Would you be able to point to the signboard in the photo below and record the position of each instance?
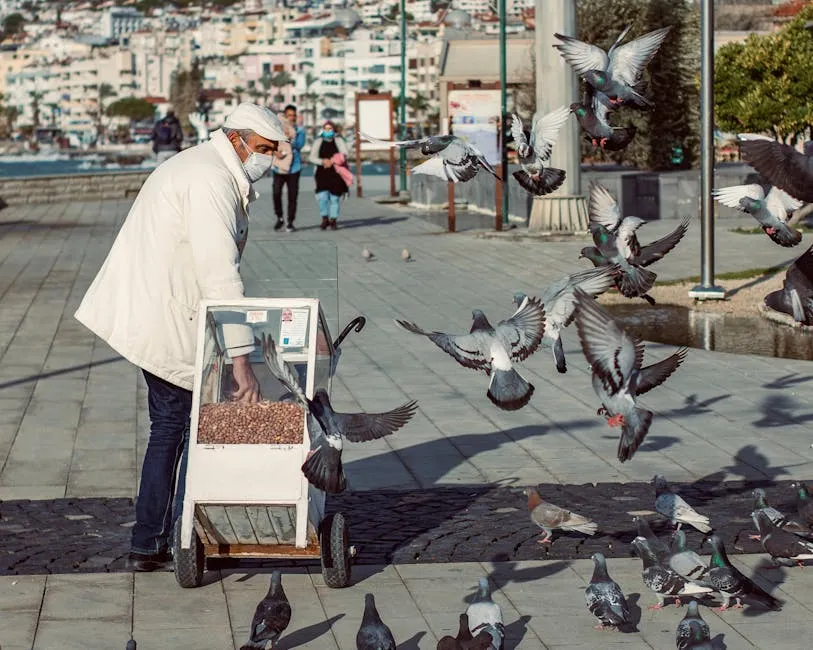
(374, 118)
(474, 115)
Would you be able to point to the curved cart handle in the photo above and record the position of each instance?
(358, 322)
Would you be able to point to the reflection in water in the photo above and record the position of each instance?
(675, 325)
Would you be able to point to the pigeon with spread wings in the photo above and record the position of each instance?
(534, 155)
(780, 164)
(771, 210)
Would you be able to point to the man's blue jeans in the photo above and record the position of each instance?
(170, 408)
(328, 204)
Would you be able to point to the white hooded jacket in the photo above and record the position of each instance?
(181, 242)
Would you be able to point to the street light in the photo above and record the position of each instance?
(402, 100)
(503, 112)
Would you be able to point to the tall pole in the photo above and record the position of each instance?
(706, 289)
(402, 107)
(503, 111)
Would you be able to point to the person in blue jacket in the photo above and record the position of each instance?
(286, 170)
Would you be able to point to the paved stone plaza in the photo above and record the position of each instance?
(73, 424)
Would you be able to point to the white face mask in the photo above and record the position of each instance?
(257, 164)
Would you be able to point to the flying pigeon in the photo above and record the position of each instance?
(493, 350)
(777, 518)
(673, 507)
(614, 75)
(593, 117)
(272, 616)
(367, 254)
(560, 303)
(693, 632)
(406, 256)
(730, 583)
(464, 640)
(795, 298)
(804, 504)
(772, 211)
(616, 357)
(373, 633)
(536, 175)
(323, 467)
(604, 598)
(452, 159)
(549, 516)
(780, 164)
(656, 545)
(779, 544)
(486, 616)
(685, 561)
(661, 579)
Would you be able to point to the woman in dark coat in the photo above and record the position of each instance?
(329, 150)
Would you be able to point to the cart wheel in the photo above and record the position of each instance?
(189, 562)
(335, 551)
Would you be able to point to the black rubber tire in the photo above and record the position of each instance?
(335, 550)
(189, 562)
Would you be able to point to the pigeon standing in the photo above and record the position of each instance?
(367, 254)
(795, 298)
(373, 633)
(779, 544)
(464, 640)
(406, 255)
(604, 598)
(730, 583)
(771, 210)
(673, 507)
(486, 616)
(780, 164)
(693, 632)
(661, 579)
(559, 302)
(323, 467)
(271, 618)
(804, 504)
(777, 518)
(685, 561)
(656, 545)
(452, 159)
(616, 358)
(549, 516)
(493, 350)
(536, 176)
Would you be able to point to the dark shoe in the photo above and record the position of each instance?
(333, 225)
(278, 225)
(325, 223)
(290, 227)
(144, 562)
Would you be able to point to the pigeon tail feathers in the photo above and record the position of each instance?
(636, 281)
(559, 356)
(633, 433)
(508, 390)
(549, 180)
(324, 470)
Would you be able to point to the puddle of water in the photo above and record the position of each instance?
(676, 325)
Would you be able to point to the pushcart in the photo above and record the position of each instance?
(248, 499)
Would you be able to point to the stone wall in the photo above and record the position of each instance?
(71, 187)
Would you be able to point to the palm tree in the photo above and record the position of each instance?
(238, 93)
(36, 96)
(54, 108)
(281, 80)
(418, 103)
(374, 85)
(105, 91)
(255, 93)
(310, 98)
(11, 114)
(266, 82)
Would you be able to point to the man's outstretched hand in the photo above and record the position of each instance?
(248, 388)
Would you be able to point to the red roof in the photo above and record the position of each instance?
(215, 93)
(156, 100)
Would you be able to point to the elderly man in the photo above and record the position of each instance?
(181, 242)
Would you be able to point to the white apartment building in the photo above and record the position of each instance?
(120, 21)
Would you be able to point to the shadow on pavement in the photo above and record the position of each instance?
(56, 373)
(306, 635)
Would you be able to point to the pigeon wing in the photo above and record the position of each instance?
(435, 166)
(465, 348)
(603, 208)
(363, 427)
(781, 204)
(580, 55)
(731, 195)
(517, 133)
(523, 332)
(781, 165)
(560, 306)
(281, 370)
(657, 373)
(626, 240)
(406, 144)
(659, 248)
(800, 274)
(546, 130)
(627, 62)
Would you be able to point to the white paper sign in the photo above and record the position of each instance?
(293, 328)
(256, 316)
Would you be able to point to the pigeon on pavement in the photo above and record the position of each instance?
(656, 545)
(464, 640)
(804, 504)
(779, 544)
(373, 633)
(272, 616)
(604, 598)
(693, 632)
(452, 159)
(672, 506)
(367, 254)
(549, 516)
(559, 302)
(406, 255)
(661, 579)
(795, 298)
(536, 176)
(777, 518)
(493, 349)
(730, 583)
(616, 357)
(323, 467)
(486, 616)
(772, 211)
(685, 561)
(780, 164)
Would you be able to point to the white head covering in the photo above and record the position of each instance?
(258, 119)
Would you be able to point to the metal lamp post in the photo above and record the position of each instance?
(503, 111)
(402, 102)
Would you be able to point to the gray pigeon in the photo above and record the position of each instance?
(730, 582)
(804, 504)
(685, 561)
(783, 547)
(464, 639)
(493, 350)
(373, 633)
(673, 507)
(559, 302)
(593, 117)
(795, 298)
(452, 159)
(658, 546)
(604, 598)
(693, 632)
(536, 176)
(323, 467)
(616, 357)
(131, 645)
(780, 164)
(549, 516)
(486, 616)
(777, 518)
(271, 618)
(771, 211)
(661, 579)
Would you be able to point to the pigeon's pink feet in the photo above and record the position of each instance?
(602, 142)
(546, 539)
(721, 608)
(655, 607)
(801, 563)
(602, 627)
(678, 603)
(770, 231)
(739, 605)
(310, 453)
(616, 421)
(754, 537)
(595, 142)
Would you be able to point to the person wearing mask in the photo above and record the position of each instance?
(329, 156)
(180, 243)
(167, 137)
(286, 169)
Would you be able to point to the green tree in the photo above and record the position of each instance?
(134, 109)
(419, 104)
(13, 24)
(105, 91)
(374, 85)
(184, 92)
(36, 97)
(11, 113)
(310, 98)
(239, 91)
(266, 81)
(280, 81)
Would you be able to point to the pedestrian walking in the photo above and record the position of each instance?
(287, 168)
(167, 137)
(180, 243)
(332, 175)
